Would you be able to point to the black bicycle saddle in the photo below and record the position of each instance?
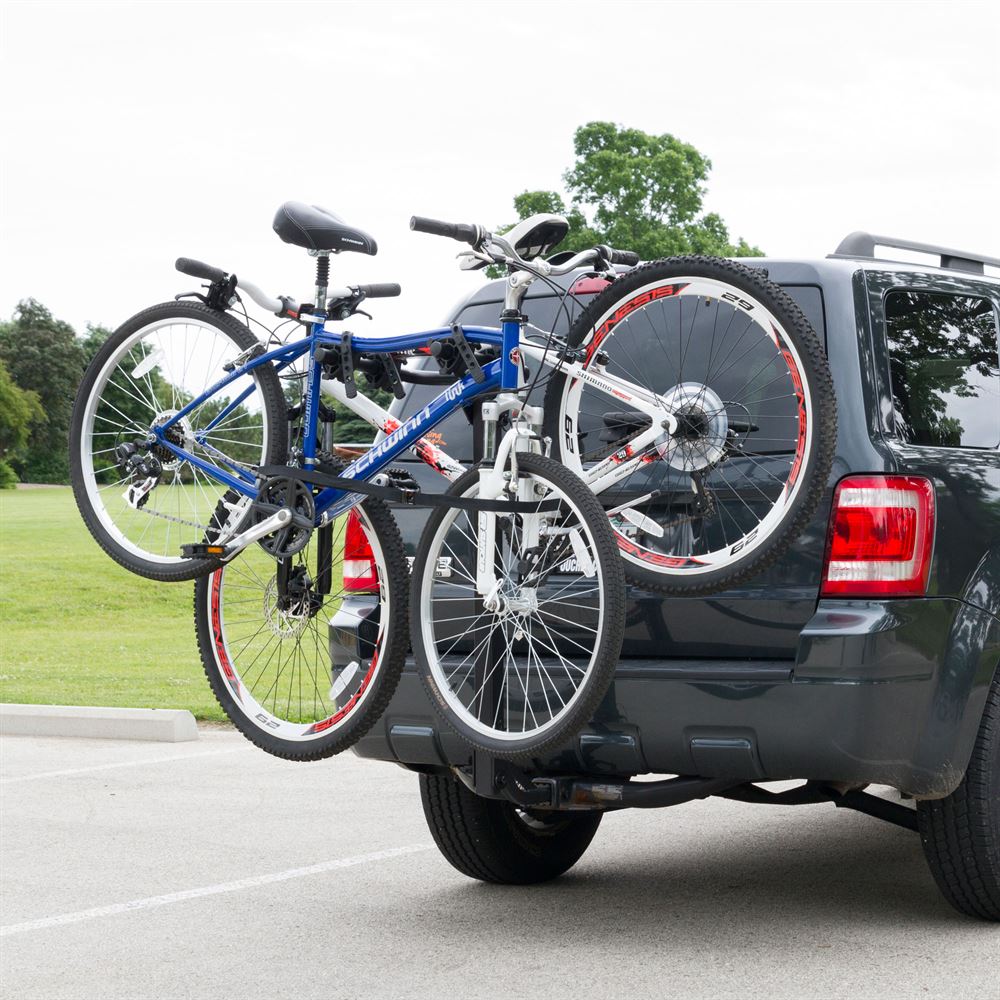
(315, 228)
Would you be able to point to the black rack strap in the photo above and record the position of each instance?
(412, 498)
(347, 365)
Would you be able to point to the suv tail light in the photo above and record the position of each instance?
(360, 571)
(881, 537)
(589, 285)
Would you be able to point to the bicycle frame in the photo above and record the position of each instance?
(500, 374)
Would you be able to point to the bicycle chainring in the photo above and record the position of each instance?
(278, 493)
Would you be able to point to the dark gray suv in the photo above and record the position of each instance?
(784, 677)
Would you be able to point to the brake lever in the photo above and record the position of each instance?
(468, 256)
(346, 308)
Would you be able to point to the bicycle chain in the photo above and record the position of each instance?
(169, 517)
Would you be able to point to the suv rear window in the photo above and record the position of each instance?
(547, 313)
(455, 433)
(945, 369)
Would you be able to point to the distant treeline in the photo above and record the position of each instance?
(42, 361)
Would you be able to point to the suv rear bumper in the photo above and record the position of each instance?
(881, 692)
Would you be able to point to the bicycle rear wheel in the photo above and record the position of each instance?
(146, 372)
(737, 363)
(526, 676)
(303, 655)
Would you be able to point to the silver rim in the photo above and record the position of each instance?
(150, 377)
(752, 487)
(515, 674)
(294, 673)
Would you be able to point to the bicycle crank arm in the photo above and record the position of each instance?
(236, 544)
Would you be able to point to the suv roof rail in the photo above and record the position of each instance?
(861, 244)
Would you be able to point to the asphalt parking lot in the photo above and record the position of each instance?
(208, 869)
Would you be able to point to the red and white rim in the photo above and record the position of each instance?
(263, 717)
(769, 327)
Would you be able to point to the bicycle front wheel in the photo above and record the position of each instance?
(142, 501)
(304, 654)
(735, 361)
(520, 671)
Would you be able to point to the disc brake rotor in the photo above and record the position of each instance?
(703, 428)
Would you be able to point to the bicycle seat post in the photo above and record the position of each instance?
(322, 278)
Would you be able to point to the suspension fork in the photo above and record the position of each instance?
(494, 479)
(489, 678)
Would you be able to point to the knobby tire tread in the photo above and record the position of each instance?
(820, 385)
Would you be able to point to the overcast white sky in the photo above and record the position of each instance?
(134, 133)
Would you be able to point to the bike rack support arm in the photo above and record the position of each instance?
(814, 792)
(578, 793)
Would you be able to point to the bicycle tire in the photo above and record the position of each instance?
(122, 534)
(230, 658)
(521, 628)
(626, 328)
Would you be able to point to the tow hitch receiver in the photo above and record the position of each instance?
(576, 793)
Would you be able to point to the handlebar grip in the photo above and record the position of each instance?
(627, 257)
(453, 230)
(196, 269)
(385, 290)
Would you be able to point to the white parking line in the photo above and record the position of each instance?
(209, 890)
(123, 763)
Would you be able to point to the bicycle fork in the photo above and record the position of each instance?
(496, 479)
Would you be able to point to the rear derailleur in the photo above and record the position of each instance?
(143, 470)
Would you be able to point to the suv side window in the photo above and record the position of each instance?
(944, 368)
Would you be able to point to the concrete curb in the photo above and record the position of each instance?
(165, 725)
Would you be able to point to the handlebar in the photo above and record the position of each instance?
(385, 290)
(488, 247)
(453, 230)
(196, 269)
(627, 257)
(283, 306)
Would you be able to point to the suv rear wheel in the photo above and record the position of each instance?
(494, 841)
(961, 833)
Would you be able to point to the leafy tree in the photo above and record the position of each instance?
(20, 410)
(636, 191)
(93, 340)
(43, 356)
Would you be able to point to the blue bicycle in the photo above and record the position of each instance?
(202, 452)
(192, 441)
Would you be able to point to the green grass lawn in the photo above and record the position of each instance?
(77, 629)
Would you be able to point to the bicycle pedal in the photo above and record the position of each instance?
(202, 550)
(401, 479)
